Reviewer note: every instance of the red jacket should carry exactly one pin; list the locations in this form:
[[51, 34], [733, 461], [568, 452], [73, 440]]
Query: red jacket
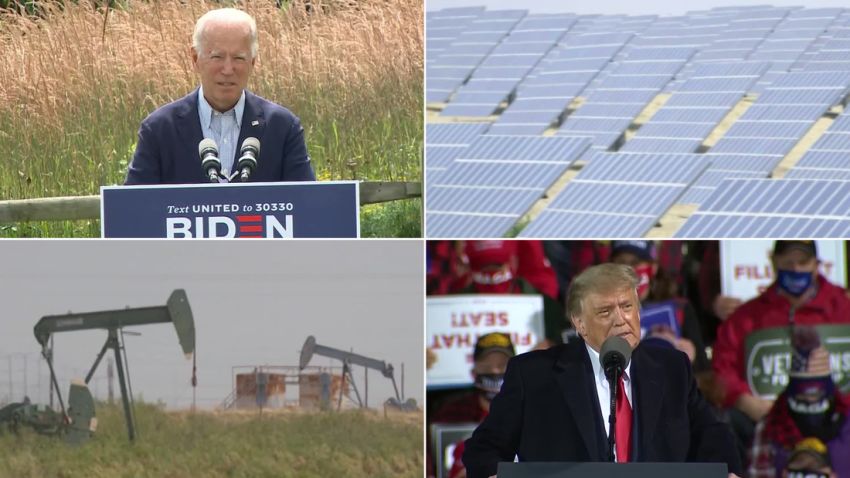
[[536, 269], [770, 309]]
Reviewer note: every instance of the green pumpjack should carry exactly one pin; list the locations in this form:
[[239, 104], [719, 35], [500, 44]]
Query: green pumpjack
[[78, 420], [77, 427]]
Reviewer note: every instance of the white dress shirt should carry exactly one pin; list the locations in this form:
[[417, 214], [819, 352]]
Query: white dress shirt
[[223, 128], [602, 390]]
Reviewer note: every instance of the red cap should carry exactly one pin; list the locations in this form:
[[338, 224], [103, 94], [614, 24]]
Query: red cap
[[485, 253]]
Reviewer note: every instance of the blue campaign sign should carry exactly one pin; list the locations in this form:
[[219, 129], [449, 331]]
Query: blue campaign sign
[[659, 314], [251, 210]]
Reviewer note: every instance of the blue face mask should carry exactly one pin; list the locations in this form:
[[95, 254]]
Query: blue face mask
[[793, 282]]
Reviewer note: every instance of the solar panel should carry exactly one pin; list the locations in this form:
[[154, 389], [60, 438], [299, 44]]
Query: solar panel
[[818, 173], [523, 71], [510, 65], [532, 103], [708, 84], [755, 162], [521, 148], [554, 223], [659, 53], [473, 50], [458, 61], [809, 80], [546, 22], [440, 90], [695, 114], [455, 73], [542, 36], [600, 125], [635, 82], [510, 175], [754, 146], [621, 96], [809, 113], [705, 100], [768, 129], [773, 208], [748, 69], [602, 110], [673, 130], [542, 116], [496, 176], [453, 133], [624, 185], [649, 68], [802, 96], [469, 110], [441, 156], [655, 145], [833, 142], [708, 181], [530, 129], [445, 225], [479, 200], [574, 65]]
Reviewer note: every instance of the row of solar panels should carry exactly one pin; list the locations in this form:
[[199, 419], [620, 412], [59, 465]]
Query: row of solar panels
[[483, 178]]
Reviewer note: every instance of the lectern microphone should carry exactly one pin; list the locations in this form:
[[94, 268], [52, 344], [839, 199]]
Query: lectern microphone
[[208, 151]]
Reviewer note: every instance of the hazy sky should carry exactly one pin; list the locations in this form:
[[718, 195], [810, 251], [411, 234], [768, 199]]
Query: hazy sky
[[629, 7], [252, 305]]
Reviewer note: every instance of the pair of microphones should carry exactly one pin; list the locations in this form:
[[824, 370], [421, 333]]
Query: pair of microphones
[[211, 164]]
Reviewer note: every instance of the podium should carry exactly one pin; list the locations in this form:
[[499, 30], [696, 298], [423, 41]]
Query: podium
[[327, 209], [611, 470]]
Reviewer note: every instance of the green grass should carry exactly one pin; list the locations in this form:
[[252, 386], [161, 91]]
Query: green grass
[[72, 126], [349, 444]]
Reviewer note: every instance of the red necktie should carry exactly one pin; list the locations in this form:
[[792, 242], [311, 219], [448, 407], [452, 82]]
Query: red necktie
[[624, 424]]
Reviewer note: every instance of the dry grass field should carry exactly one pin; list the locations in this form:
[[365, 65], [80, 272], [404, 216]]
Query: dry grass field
[[181, 444]]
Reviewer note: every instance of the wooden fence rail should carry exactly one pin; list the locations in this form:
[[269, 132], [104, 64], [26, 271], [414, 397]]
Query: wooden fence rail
[[72, 208]]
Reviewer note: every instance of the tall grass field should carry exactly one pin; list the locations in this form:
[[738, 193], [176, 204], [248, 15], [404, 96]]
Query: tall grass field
[[179, 444], [77, 80]]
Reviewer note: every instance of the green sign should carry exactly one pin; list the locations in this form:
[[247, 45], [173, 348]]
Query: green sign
[[768, 358]]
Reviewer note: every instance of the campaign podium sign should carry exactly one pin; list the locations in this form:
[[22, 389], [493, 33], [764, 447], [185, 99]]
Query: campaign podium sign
[[611, 470], [327, 209]]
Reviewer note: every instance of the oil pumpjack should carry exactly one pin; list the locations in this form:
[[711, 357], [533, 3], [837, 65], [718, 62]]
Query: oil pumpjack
[[78, 419]]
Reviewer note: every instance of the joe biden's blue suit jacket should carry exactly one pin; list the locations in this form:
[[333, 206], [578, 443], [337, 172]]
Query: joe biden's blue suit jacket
[[167, 151]]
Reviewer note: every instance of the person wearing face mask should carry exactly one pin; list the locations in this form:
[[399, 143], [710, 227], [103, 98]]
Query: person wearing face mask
[[490, 358], [515, 267], [810, 459], [554, 404], [808, 412], [685, 335], [800, 295]]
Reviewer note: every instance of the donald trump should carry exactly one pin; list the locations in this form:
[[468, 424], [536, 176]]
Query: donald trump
[[554, 404]]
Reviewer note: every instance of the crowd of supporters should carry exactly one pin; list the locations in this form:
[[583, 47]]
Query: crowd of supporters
[[804, 431]]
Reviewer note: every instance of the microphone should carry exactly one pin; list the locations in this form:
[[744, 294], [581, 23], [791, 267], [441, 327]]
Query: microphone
[[208, 151], [614, 357], [249, 152]]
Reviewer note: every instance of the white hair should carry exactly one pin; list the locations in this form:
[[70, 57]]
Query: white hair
[[226, 14]]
